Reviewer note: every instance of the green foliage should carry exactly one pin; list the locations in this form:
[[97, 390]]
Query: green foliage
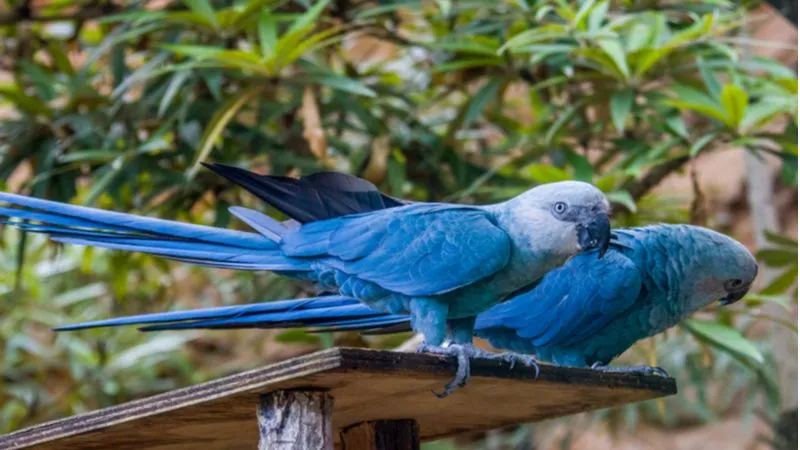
[[462, 101]]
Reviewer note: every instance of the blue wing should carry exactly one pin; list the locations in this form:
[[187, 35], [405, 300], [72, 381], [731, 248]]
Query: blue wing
[[421, 249], [569, 304]]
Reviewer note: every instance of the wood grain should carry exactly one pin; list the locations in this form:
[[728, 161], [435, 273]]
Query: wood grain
[[399, 434], [366, 385], [295, 420]]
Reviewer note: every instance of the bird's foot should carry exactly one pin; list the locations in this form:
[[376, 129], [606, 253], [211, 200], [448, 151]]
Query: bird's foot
[[463, 353], [515, 358], [639, 370]]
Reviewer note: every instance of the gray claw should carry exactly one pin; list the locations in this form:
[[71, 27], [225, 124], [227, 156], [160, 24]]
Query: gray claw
[[640, 370], [462, 353]]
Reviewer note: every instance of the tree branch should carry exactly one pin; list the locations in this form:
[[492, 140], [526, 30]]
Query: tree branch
[[639, 188]]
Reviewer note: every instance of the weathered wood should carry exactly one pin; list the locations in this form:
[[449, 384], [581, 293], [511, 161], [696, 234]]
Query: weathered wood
[[401, 434], [295, 420], [366, 385]]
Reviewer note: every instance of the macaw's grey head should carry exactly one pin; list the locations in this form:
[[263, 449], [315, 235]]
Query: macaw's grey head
[[574, 214], [725, 269]]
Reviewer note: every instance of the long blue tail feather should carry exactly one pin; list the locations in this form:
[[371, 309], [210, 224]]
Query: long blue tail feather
[[217, 312], [333, 312], [67, 215], [208, 246]]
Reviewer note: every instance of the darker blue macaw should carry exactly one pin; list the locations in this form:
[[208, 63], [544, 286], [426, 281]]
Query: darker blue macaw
[[582, 314], [440, 264]]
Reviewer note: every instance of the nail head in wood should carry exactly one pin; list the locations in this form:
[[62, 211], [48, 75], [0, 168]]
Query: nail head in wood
[[295, 420], [401, 434]]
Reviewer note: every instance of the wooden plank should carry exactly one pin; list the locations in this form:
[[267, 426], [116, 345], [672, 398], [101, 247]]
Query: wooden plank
[[365, 385], [399, 434], [295, 420]]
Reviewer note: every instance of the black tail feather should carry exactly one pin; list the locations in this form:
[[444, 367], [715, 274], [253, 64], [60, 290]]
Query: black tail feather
[[319, 196]]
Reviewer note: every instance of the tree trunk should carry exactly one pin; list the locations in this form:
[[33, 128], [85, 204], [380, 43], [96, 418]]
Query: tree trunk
[[295, 420]]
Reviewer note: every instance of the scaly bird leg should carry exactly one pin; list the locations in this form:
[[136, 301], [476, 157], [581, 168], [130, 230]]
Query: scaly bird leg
[[463, 354], [461, 331], [639, 370]]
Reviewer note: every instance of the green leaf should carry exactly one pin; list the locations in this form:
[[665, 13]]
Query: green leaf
[[763, 112], [597, 16], [559, 123], [579, 21], [623, 198], [782, 283], [609, 182], [734, 100], [779, 239], [690, 99], [195, 51], [481, 100], [23, 102], [204, 9], [539, 34], [621, 104], [468, 46], [41, 79], [613, 48], [711, 81], [467, 64], [309, 17], [724, 338], [545, 173], [267, 34], [776, 258], [89, 156], [675, 123], [297, 336], [218, 123], [342, 83], [101, 184], [701, 143], [582, 167], [172, 89]]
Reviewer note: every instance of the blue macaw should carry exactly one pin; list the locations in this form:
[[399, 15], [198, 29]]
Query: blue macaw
[[442, 264], [582, 314]]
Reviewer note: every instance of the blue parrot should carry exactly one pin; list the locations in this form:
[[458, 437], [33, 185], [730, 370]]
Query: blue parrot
[[441, 264], [582, 314]]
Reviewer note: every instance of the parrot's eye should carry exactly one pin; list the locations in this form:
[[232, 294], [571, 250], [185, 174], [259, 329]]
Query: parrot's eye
[[734, 284], [560, 207]]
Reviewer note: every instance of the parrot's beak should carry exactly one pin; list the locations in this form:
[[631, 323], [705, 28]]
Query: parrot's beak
[[595, 234], [733, 297]]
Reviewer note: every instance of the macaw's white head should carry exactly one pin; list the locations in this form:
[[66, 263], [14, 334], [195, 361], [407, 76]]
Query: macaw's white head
[[568, 216], [722, 269]]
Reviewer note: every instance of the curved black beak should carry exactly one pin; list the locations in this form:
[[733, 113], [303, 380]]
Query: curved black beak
[[595, 234], [733, 297]]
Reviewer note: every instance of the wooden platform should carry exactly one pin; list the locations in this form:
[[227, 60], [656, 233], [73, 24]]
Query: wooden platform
[[365, 385]]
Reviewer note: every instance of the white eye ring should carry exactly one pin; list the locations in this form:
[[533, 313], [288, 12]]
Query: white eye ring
[[560, 207]]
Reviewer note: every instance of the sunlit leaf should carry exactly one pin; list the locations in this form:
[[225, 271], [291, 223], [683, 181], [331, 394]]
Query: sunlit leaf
[[734, 100], [724, 338], [613, 48], [219, 122], [481, 100], [701, 143], [620, 106], [203, 8], [545, 173], [624, 198]]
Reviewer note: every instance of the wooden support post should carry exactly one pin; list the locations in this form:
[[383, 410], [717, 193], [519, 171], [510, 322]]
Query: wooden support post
[[382, 435], [295, 420]]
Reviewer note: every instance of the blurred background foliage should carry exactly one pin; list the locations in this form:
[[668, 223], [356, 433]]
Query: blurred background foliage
[[115, 104]]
